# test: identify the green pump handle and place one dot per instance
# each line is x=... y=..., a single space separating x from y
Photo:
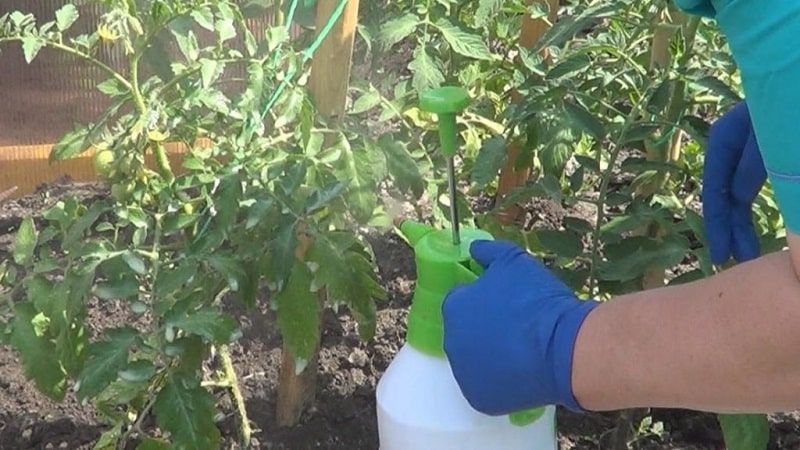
x=446 y=102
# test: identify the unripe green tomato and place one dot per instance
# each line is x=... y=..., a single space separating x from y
x=103 y=163
x=122 y=192
x=126 y=165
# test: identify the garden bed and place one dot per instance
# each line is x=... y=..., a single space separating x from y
x=344 y=414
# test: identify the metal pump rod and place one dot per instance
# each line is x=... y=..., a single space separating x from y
x=446 y=102
x=451 y=181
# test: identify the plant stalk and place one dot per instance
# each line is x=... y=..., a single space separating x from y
x=159 y=152
x=230 y=377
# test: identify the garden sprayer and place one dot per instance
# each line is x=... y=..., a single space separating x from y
x=419 y=403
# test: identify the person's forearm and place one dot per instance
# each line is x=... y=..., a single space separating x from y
x=729 y=343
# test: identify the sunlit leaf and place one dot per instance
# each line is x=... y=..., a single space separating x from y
x=25 y=241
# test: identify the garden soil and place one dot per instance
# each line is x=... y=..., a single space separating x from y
x=343 y=416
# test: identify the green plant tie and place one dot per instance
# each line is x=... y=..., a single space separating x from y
x=306 y=55
x=249 y=131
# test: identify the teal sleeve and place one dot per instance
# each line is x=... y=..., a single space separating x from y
x=703 y=8
x=765 y=42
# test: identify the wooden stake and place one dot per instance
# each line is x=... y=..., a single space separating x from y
x=329 y=83
x=510 y=178
x=297 y=392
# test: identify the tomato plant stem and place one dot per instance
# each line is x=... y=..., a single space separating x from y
x=231 y=379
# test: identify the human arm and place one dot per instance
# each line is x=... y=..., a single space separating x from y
x=517 y=338
x=512 y=348
x=728 y=343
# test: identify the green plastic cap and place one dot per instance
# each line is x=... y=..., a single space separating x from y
x=444 y=100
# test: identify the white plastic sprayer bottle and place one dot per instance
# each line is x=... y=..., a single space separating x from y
x=419 y=403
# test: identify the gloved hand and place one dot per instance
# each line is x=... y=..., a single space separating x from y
x=733 y=174
x=509 y=336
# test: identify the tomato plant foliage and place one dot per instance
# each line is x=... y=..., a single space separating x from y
x=266 y=197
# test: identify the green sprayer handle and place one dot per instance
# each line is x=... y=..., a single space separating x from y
x=446 y=102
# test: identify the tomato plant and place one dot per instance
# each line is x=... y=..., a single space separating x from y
x=259 y=179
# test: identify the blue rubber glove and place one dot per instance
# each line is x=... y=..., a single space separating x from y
x=510 y=335
x=733 y=174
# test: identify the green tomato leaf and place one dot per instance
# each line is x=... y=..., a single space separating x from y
x=105 y=359
x=135 y=262
x=181 y=29
x=578 y=225
x=322 y=197
x=298 y=314
x=138 y=371
x=567 y=26
x=584 y=120
x=31 y=45
x=204 y=17
x=427 y=72
x=36 y=353
x=108 y=440
x=226 y=28
x=66 y=16
x=557 y=151
x=564 y=244
x=397 y=29
x=210 y=70
x=230 y=268
x=491 y=157
x=745 y=431
x=367 y=101
x=349 y=278
x=290 y=107
x=282 y=254
x=402 y=166
x=75 y=233
x=186 y=410
x=214 y=325
x=569 y=66
x=639 y=131
x=462 y=41
x=717 y=86
x=25 y=241
x=362 y=167
x=486 y=11
x=72 y=144
x=117 y=288
x=633 y=256
x=171 y=279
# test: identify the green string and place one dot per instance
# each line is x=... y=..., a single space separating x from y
x=307 y=54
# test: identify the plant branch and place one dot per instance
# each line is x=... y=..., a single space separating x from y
x=79 y=54
x=233 y=384
x=603 y=190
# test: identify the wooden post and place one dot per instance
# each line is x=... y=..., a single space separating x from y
x=329 y=83
x=532 y=31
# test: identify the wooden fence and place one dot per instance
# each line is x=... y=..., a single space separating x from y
x=43 y=100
